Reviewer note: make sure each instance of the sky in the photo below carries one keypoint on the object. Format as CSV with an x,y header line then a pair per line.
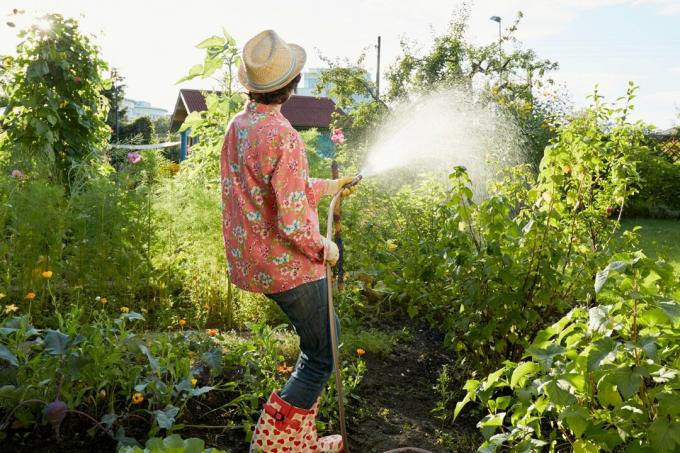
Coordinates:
x,y
604,42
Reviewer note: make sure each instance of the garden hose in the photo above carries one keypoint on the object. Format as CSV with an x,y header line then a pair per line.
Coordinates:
x,y
334,338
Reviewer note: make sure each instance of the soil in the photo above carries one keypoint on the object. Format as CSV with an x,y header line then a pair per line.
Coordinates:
x,y
393,410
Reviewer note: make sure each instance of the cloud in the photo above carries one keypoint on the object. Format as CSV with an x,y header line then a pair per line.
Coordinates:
x,y
664,7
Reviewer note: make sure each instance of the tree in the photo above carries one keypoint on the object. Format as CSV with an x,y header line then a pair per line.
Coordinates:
x,y
56,113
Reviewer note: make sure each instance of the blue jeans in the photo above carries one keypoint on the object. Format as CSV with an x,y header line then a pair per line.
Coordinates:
x,y
307,309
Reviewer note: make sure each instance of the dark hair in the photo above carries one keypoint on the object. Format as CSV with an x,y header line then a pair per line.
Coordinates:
x,y
276,97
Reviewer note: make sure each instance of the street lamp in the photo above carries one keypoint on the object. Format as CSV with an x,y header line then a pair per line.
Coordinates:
x,y
500,41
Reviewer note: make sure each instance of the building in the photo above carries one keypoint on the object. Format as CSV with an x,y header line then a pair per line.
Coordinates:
x,y
310,79
303,112
136,109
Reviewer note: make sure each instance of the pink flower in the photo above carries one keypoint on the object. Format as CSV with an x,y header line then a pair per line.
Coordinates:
x,y
18,174
338,137
134,157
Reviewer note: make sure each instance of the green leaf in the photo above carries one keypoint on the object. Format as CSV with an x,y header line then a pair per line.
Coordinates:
x,y
194,71
490,423
153,362
586,446
607,393
210,65
132,316
603,349
558,393
628,381
201,390
213,41
664,435
56,343
577,420
603,275
6,354
672,310
166,417
545,356
598,319
523,371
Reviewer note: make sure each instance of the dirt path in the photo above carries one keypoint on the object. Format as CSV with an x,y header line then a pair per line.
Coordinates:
x,y
397,397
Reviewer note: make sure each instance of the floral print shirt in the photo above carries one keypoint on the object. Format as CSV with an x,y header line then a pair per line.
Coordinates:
x,y
270,223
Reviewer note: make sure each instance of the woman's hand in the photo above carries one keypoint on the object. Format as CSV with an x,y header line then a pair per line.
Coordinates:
x,y
336,185
331,253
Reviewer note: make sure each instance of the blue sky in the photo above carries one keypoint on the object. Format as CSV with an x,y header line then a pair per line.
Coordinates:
x,y
595,41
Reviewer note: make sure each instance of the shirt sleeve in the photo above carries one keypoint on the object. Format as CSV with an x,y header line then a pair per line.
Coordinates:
x,y
320,188
296,214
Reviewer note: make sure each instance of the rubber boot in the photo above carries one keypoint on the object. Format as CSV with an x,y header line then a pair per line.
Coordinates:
x,y
283,427
326,444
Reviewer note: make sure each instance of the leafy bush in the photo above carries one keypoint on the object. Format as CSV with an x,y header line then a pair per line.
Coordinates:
x,y
659,184
492,272
56,116
603,377
174,444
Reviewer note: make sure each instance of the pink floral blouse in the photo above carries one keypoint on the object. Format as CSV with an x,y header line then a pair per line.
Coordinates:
x,y
270,223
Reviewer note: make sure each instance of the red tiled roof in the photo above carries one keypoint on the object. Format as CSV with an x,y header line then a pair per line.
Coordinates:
x,y
301,111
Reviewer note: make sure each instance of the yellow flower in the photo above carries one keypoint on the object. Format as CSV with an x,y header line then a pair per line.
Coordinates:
x,y
30,295
124,309
566,168
360,352
103,300
47,275
182,322
102,394
137,398
391,245
194,381
11,308
212,332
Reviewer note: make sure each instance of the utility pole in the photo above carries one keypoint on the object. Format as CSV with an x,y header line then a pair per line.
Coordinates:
x,y
114,78
377,72
500,49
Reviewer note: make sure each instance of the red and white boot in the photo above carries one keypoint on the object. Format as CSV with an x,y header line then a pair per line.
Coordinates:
x,y
284,428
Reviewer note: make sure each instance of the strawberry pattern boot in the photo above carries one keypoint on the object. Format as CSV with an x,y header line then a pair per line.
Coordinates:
x,y
284,428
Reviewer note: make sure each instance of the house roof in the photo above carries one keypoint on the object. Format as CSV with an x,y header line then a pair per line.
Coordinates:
x,y
301,111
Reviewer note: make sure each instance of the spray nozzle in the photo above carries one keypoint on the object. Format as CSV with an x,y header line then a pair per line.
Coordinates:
x,y
354,182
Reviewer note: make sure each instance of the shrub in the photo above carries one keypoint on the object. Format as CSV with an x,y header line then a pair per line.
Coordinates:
x,y
659,183
604,377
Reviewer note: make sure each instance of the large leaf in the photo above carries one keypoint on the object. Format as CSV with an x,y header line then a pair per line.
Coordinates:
x,y
628,381
153,362
664,435
603,349
545,356
672,310
6,354
603,275
213,41
577,420
166,417
598,320
523,371
56,343
586,446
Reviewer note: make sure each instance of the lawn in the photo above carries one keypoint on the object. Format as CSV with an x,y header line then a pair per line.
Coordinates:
x,y
659,238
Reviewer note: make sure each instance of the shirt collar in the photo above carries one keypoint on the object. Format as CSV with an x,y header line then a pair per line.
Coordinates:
x,y
256,107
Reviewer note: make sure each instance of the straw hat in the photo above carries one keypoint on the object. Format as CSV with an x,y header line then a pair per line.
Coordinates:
x,y
270,63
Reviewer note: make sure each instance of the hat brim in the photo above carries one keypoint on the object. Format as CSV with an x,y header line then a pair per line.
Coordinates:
x,y
300,60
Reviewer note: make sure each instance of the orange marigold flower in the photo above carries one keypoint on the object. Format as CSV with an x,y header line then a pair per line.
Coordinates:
x,y
182,322
284,369
124,310
30,295
360,352
212,332
137,398
47,275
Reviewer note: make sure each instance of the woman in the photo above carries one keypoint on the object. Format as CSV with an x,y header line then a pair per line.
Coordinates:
x,y
272,239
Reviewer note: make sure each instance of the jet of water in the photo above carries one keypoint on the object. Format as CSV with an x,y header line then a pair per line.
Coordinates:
x,y
438,131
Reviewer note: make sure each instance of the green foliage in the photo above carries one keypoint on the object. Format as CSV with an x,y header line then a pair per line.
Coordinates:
x,y
141,129
172,444
601,378
659,168
55,118
492,272
98,365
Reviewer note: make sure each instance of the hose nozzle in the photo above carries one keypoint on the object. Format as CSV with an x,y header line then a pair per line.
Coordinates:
x,y
354,182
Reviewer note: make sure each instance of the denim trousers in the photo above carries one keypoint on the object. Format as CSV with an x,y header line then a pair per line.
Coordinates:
x,y
307,309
